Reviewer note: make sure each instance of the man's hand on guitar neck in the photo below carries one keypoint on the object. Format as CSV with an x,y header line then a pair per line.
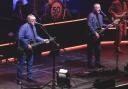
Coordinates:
x,y
46,40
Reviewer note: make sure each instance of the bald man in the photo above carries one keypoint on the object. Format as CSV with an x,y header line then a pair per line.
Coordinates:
x,y
95,22
27,35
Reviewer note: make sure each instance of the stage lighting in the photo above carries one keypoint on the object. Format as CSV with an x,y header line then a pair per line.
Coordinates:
x,y
63,78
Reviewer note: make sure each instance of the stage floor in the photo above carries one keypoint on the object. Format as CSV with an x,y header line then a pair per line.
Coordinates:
x,y
76,63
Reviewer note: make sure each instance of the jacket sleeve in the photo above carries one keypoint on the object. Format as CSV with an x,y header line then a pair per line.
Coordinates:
x,y
38,38
90,23
23,40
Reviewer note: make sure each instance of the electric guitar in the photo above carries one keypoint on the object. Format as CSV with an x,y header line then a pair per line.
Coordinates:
x,y
34,45
101,30
39,43
43,42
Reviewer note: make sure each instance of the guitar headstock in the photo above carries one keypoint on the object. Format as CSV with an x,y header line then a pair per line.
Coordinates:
x,y
46,40
116,21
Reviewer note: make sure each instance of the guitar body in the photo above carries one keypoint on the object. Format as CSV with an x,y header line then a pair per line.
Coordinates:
x,y
35,47
22,50
100,32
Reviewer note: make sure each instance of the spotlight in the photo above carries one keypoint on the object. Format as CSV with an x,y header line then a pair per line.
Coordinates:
x,y
63,78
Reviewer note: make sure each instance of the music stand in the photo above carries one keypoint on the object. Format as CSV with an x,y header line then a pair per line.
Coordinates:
x,y
53,53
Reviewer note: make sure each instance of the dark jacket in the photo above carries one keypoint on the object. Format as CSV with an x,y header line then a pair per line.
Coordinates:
x,y
93,23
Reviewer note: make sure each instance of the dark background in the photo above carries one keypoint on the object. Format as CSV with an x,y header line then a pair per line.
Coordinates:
x,y
83,7
67,35
9,24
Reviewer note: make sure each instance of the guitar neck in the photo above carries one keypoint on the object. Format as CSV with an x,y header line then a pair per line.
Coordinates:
x,y
103,29
36,44
39,43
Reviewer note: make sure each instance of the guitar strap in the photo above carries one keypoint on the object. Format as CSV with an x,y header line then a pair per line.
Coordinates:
x,y
34,36
97,16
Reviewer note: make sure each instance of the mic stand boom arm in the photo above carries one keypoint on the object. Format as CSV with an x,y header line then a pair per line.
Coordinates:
x,y
50,37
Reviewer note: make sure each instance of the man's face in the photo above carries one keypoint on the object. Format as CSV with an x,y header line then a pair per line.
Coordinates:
x,y
31,20
97,8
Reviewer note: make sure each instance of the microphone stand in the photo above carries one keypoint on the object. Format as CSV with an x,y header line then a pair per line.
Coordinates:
x,y
117,51
53,53
115,44
105,16
49,36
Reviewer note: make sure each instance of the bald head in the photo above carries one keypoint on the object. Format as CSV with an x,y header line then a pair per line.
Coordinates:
x,y
97,7
31,19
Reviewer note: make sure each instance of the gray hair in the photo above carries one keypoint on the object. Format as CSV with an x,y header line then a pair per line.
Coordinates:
x,y
96,4
30,16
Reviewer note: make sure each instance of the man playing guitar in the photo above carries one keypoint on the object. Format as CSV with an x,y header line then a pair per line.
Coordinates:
x,y
27,36
95,21
118,10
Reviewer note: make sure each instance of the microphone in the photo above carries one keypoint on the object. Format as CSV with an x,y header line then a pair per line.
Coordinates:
x,y
52,38
103,13
38,23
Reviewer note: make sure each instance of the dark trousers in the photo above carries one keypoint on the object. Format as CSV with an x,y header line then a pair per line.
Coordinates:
x,y
93,48
28,57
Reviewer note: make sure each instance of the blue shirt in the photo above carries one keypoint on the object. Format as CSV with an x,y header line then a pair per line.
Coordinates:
x,y
93,22
27,34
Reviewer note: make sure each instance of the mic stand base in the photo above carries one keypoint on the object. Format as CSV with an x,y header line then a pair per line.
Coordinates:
x,y
53,53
